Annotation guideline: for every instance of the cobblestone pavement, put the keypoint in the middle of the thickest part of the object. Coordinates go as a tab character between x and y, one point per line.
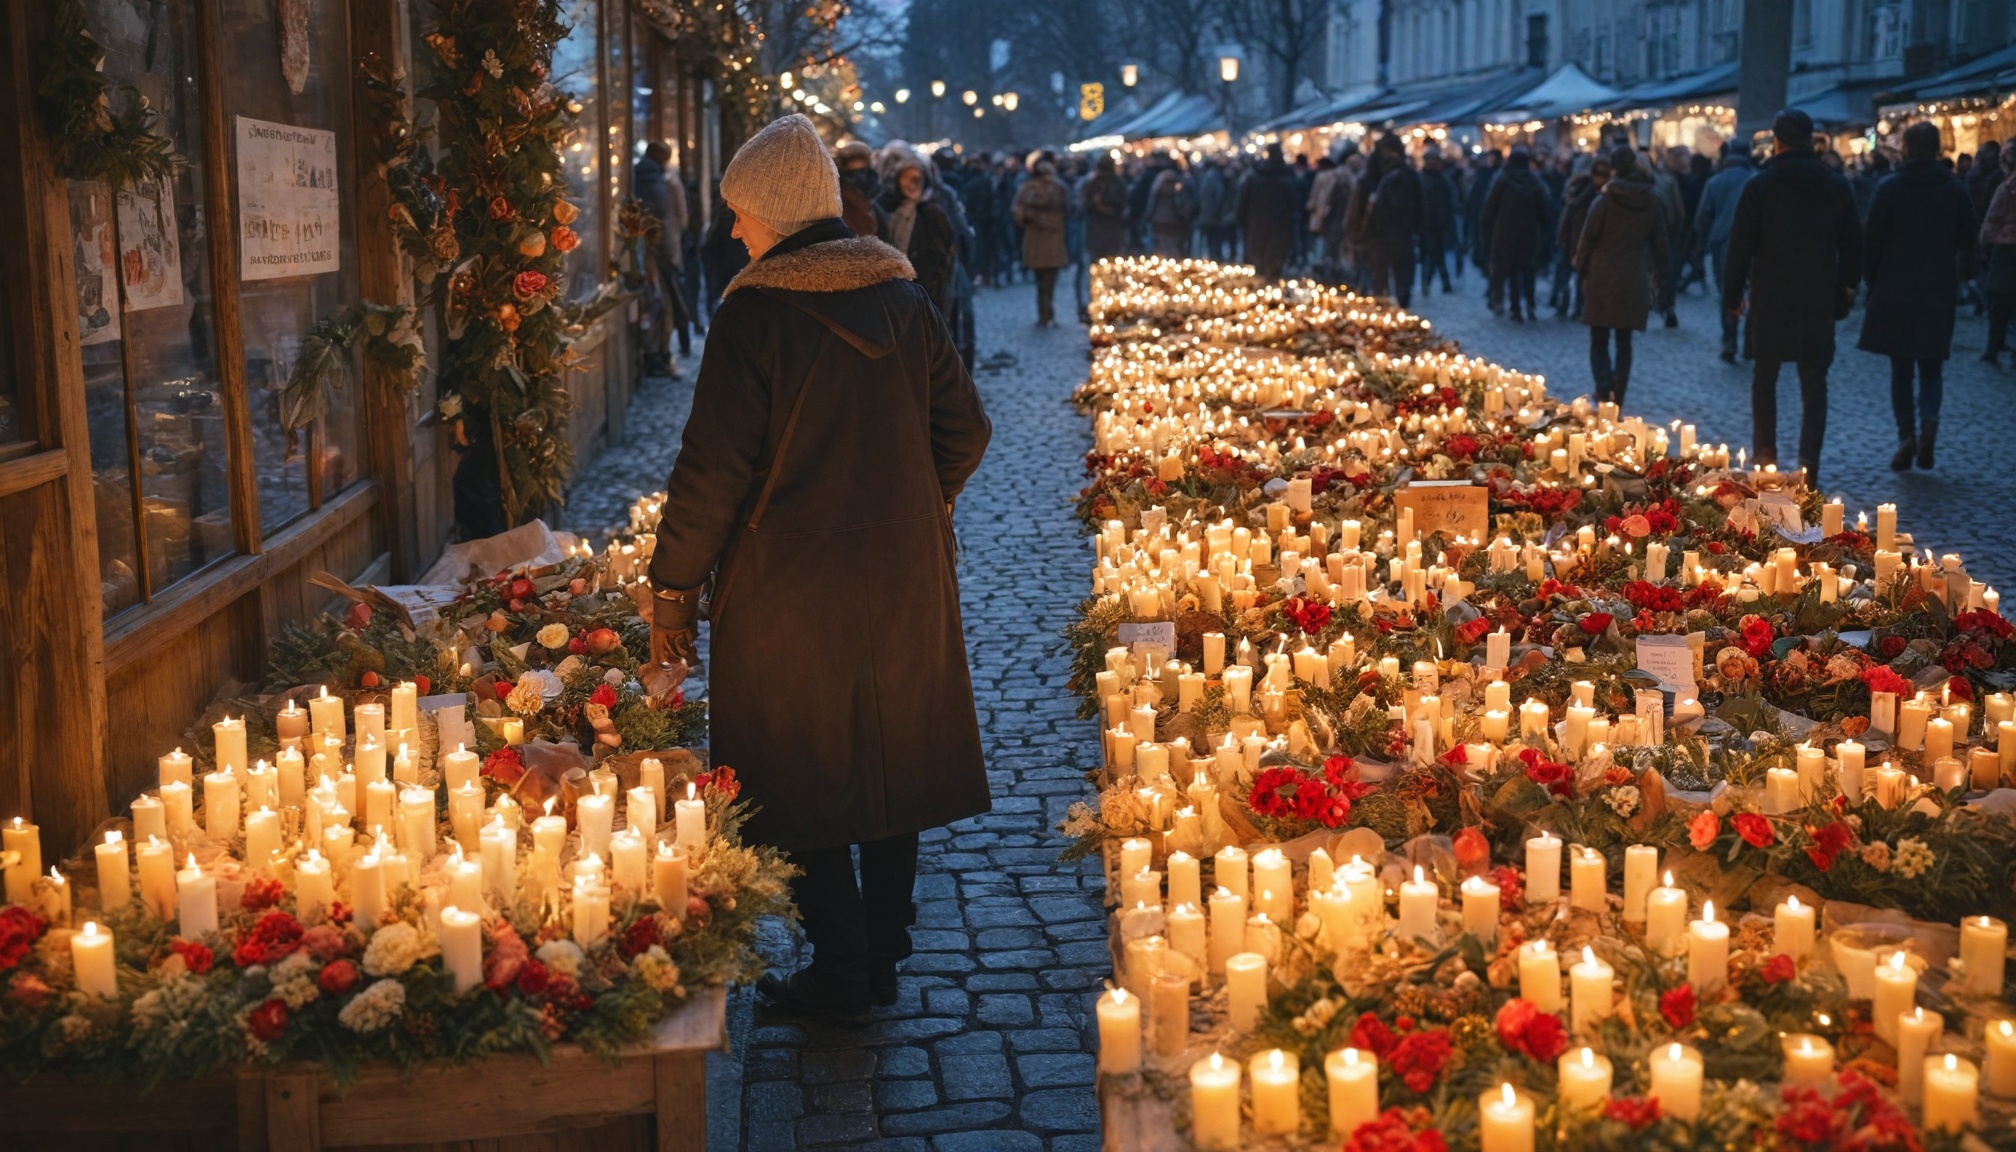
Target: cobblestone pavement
1961	505
989	1048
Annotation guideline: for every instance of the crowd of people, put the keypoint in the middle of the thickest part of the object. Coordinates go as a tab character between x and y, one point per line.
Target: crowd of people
1790	240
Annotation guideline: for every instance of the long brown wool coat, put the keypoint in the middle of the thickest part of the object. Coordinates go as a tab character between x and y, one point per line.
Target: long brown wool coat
839	683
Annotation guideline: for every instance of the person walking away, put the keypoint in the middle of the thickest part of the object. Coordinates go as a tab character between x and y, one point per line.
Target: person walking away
1620	255
1438	220
1712	221
1514	211
657	187
867	735
1104	198
1336	215
1582	189
1266	214
1699	169
1981	182
1318	209
1673	217
1998	236
1172	212
1217	203
1040	208
919	227
860	188
1138	196
976	195
1390	221
1795	256
1919	240
1483	173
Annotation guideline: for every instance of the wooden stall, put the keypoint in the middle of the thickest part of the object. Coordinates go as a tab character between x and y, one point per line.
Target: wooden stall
159	522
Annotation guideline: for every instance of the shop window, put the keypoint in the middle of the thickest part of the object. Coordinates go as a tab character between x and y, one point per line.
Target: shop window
152	396
286	87
577	72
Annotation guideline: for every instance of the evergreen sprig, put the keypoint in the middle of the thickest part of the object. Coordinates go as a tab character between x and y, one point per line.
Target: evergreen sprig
90	138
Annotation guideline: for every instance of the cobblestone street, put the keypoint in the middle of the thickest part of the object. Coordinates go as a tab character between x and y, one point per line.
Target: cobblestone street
1676	376
989	1048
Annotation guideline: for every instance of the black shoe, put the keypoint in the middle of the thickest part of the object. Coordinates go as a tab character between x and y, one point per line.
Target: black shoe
882	983
1672	320
1907	448
1926	435
1728	357
1812	472
808	992
1992	359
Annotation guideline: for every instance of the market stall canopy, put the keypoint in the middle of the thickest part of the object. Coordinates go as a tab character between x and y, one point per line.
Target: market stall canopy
1568	91
1843	105
1694	87
1471	102
1332	109
1989	75
1177	113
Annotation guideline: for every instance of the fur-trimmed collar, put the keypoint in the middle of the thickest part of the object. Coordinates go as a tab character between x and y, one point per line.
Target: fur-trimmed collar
832	266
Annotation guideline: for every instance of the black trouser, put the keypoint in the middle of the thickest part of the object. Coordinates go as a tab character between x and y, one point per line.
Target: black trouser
1433	260
1718	255
673	315
2001	307
1519	282
1930	391
1611	381
1812	411
1391	272
1046	291
850	924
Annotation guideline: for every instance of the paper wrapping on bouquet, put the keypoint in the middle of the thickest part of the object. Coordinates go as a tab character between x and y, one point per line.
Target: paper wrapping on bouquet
528	546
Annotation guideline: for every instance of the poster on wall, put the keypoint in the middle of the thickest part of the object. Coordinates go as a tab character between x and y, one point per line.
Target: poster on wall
97	277
150	246
289	207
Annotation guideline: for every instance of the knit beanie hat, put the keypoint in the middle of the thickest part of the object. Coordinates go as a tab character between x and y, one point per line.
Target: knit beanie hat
783	177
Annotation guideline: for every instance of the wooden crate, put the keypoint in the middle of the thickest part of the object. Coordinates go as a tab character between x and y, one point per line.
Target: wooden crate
654	1101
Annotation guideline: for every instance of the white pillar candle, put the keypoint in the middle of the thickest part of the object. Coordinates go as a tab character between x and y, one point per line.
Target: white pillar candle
1891	785
1480	910
262	838
1418	901
262	787
1666	918
1938	739
1353	1079
1792	929
1575	734
1230	871
1809	1060
1999	1068
1273	879
1588	886
1505	1120
1594	997
1641	874
1781	791
595	816
1119	1032
1214	1103
220	805
314	887
229	735
325	715
367	888
641	812
1916	1032
1185	925
1851	756
1185	880
1913	716
1262	937
405	711
115	882
92	961
1246	988
1707	951
195	902
1144	959
1676	1080
591	911
1584	1078
1532	719
156	860
1896	992
1540	976
416	824
1143	887
462	947
1984	951
689	829
1277	1092
1543	869
1137	854
669	879
177	767
626	861
381	801
1952	1094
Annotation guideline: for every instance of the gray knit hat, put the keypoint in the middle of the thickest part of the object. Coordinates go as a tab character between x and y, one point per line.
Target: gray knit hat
783	177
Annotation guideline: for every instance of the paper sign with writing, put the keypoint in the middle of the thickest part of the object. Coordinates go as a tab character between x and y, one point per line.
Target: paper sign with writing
1451	507
289	208
1671	660
1140	638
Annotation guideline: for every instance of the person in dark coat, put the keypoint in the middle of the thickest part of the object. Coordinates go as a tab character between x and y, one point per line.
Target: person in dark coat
1041	207
1620	256
1919	241
1137	199
1483	174
976	196
1268	206
918	226
1581	193
1795	254
1713	217
1998	280
655	183
1385	219
1515	213
1172	212
1438	220
1217	202
1103	197
860	188
840	691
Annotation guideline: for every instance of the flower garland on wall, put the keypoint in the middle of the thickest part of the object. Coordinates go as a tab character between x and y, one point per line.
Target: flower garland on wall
91	139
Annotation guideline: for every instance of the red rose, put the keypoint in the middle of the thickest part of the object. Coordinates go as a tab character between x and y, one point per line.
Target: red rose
503	688
505	766
564	239
1397	1130
577	646
1891	646
1829	840
1524	1028
1635	1112
1778	969
1755	830
19	929
261	892
1757	636
500	209
603	695
1662	521
1809	1118
1958	688
275	936
602	641
522	589
1418	1059
1371	1034
1677	1006
1880	678
1595	622
1273	790
533	978
639	938
196	957
337	977
528	284
269	1020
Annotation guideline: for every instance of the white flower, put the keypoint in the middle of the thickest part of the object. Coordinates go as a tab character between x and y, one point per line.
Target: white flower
562	956
613	677
553	636
525	699
292	967
492	64
657	969
374	1007
1623	800
1914	857
297	992
395	948
546	683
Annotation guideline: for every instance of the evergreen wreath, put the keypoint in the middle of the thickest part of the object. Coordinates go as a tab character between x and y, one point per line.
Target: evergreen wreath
89	138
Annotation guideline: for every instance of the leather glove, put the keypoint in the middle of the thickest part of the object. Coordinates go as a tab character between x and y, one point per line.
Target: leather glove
675	626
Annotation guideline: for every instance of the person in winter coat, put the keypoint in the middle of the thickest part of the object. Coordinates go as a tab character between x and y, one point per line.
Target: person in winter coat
1040	209
976	195
1998	281
860	188
1713	218
1581	193
1321	191
918	225
1138	194
1268	206
1673	216
1438	220
1515	211
1217	211
1920	238
1385	220
1620	256
1982	181
850	728
1103	196
1795	256
1483	173
655	182
1172	212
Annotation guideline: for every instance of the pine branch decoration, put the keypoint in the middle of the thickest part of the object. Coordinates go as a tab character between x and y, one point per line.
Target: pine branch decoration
89	137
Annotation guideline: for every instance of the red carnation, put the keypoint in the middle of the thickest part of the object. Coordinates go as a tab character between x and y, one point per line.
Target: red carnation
275	936
1419	1058
196	958
1397	1130
527	284
1778	969
1808	1117
1524	1028
1881	678
1594	623
1829	841
1635	1112
503	688
1958	688
1471	631
1755	830
1372	1034
533	978
505	766
639	938
522	589
19	929
1757	636
1677	1006
337	977
269	1020
1891	646
603	695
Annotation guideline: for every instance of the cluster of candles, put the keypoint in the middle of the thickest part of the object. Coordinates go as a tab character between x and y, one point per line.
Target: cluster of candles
320	843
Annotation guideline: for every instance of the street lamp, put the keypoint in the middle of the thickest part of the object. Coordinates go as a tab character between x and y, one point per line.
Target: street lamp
902	95
1228	72
995	100
1009	100
1130	74
937	89
1228	68
970	96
